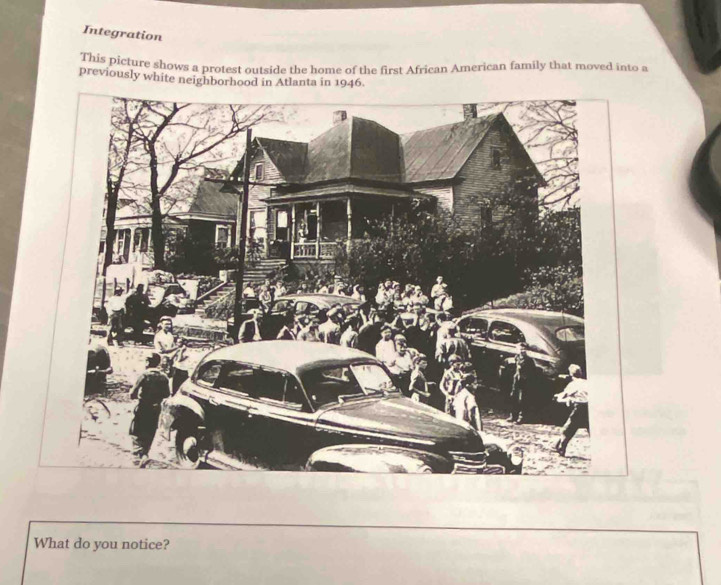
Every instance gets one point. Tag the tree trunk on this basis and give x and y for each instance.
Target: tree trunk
(110, 228)
(158, 236)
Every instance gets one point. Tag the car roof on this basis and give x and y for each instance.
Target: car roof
(321, 299)
(291, 356)
(538, 317)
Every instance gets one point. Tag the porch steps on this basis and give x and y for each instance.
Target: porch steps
(224, 289)
(255, 273)
(259, 270)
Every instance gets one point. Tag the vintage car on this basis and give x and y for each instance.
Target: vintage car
(555, 340)
(293, 405)
(170, 294)
(298, 304)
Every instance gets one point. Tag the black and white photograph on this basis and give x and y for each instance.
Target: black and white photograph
(339, 288)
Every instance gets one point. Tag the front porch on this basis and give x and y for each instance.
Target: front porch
(318, 229)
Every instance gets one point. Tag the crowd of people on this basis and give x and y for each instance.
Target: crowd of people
(416, 337)
(413, 334)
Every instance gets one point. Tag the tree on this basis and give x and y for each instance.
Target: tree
(176, 140)
(547, 129)
(122, 162)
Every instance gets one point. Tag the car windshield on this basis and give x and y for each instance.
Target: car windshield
(571, 333)
(334, 384)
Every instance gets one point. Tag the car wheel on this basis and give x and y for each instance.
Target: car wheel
(187, 447)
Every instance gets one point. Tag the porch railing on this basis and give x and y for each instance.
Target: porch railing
(323, 250)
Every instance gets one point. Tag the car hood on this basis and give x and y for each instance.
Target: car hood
(403, 421)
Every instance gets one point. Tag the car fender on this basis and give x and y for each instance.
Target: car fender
(361, 458)
(177, 410)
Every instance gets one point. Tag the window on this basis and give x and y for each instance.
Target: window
(237, 378)
(269, 385)
(141, 238)
(305, 308)
(257, 219)
(281, 225)
(222, 236)
(571, 333)
(282, 306)
(337, 384)
(258, 173)
(505, 333)
(474, 326)
(208, 373)
(495, 157)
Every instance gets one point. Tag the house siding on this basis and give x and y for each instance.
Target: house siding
(480, 185)
(443, 195)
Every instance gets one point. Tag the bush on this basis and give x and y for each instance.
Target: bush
(557, 288)
(479, 264)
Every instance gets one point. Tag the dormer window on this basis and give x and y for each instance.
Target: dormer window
(258, 172)
(495, 158)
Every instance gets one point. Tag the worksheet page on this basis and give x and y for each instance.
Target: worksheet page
(338, 295)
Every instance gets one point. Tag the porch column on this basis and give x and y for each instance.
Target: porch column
(131, 253)
(318, 229)
(349, 214)
(292, 230)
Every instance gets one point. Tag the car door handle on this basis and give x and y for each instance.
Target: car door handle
(213, 401)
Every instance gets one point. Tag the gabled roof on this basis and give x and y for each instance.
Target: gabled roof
(212, 199)
(357, 148)
(440, 153)
(287, 156)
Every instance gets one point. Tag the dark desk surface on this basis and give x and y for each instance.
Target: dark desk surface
(19, 44)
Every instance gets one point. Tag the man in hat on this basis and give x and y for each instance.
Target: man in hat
(115, 308)
(524, 375)
(250, 328)
(329, 331)
(151, 387)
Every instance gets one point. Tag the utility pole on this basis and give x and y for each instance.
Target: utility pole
(242, 222)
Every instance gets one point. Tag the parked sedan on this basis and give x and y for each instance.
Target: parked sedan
(299, 405)
(298, 304)
(555, 340)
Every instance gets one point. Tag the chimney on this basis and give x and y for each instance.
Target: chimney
(339, 116)
(469, 111)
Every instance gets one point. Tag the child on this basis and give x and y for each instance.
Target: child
(464, 403)
(450, 380)
(419, 385)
